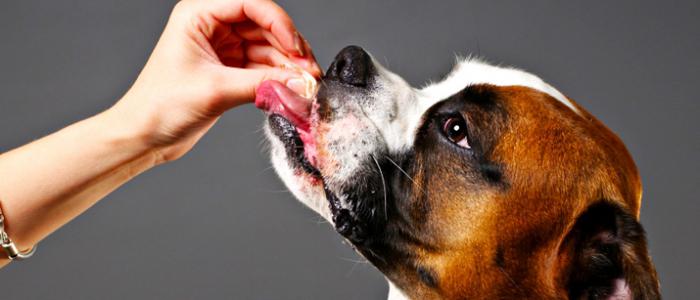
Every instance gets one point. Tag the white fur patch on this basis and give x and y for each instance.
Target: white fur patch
(472, 71)
(395, 293)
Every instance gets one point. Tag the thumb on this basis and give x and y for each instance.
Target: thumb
(239, 85)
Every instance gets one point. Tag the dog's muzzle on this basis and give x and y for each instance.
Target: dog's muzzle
(315, 136)
(351, 73)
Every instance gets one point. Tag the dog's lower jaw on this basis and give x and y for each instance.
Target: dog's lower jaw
(297, 182)
(314, 196)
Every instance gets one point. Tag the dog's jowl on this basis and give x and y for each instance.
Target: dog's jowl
(489, 184)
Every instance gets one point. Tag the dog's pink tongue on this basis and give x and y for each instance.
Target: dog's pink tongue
(273, 97)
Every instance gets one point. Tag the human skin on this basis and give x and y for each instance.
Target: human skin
(211, 57)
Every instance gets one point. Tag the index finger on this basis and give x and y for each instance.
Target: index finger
(266, 14)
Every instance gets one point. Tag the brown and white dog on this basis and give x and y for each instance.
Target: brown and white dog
(490, 184)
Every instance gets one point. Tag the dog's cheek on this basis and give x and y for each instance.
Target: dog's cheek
(343, 144)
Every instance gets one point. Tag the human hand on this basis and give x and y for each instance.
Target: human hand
(211, 57)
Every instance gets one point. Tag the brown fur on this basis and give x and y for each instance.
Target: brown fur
(508, 240)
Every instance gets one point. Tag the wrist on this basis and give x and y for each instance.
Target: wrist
(130, 131)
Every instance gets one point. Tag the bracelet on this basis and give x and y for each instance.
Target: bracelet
(9, 247)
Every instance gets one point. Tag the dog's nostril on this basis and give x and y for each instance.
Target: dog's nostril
(351, 66)
(339, 67)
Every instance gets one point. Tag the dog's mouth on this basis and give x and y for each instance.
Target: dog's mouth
(290, 119)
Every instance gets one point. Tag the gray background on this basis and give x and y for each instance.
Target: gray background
(219, 225)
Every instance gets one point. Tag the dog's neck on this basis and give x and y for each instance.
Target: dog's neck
(621, 292)
(395, 293)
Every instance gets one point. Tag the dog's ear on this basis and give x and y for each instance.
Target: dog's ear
(604, 256)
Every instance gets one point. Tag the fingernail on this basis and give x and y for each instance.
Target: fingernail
(298, 85)
(312, 57)
(318, 68)
(287, 66)
(303, 84)
(298, 44)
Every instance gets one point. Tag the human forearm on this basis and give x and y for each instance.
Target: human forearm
(210, 58)
(48, 182)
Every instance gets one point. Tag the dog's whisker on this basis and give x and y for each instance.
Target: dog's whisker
(400, 169)
(264, 170)
(357, 261)
(352, 269)
(515, 284)
(404, 173)
(259, 130)
(276, 191)
(264, 143)
(381, 174)
(321, 220)
(375, 255)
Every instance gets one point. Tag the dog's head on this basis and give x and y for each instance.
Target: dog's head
(488, 184)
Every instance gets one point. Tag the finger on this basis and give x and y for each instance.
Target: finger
(265, 54)
(266, 14)
(239, 85)
(252, 32)
(232, 54)
(302, 84)
(312, 64)
(252, 65)
(232, 49)
(233, 62)
(308, 63)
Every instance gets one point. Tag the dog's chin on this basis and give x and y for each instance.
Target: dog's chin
(306, 187)
(350, 217)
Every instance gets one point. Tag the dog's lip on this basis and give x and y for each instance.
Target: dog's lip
(276, 99)
(273, 97)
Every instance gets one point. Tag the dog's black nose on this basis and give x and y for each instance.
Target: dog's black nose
(351, 66)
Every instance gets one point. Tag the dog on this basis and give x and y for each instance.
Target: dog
(490, 184)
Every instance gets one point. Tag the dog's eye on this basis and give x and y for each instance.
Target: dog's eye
(455, 129)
